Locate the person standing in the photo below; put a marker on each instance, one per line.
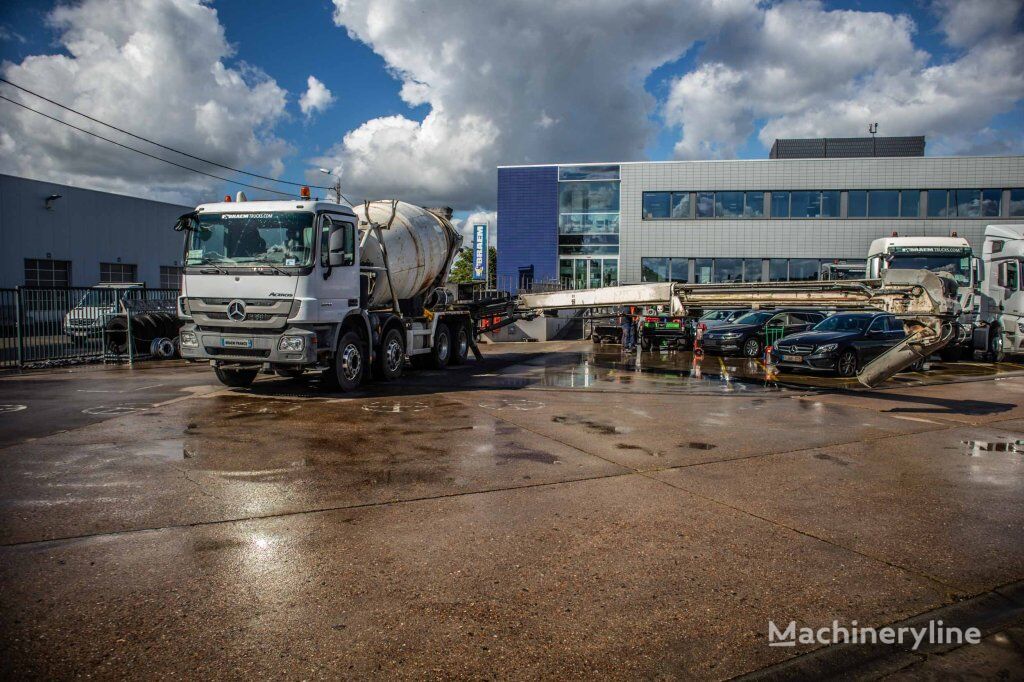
(628, 325)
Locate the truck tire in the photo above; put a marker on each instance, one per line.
(348, 365)
(390, 361)
(236, 378)
(460, 343)
(441, 353)
(995, 345)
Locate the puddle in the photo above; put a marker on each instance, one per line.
(975, 448)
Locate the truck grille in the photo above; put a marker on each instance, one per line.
(239, 352)
(254, 317)
(248, 301)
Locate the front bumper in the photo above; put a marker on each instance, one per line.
(825, 362)
(249, 347)
(723, 346)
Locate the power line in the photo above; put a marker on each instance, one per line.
(139, 151)
(157, 144)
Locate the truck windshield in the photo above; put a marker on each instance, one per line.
(249, 239)
(958, 265)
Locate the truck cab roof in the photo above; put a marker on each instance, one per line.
(880, 246)
(312, 205)
(1005, 231)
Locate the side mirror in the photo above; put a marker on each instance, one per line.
(184, 222)
(341, 251)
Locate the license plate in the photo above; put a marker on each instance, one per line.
(236, 343)
(792, 358)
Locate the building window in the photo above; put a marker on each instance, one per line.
(883, 203)
(118, 273)
(665, 270)
(588, 173)
(753, 271)
(910, 200)
(991, 201)
(44, 272)
(804, 204)
(588, 197)
(588, 223)
(829, 204)
(754, 207)
(857, 204)
(705, 204)
(657, 205)
(702, 270)
(728, 204)
(1016, 203)
(778, 270)
(937, 203)
(965, 203)
(780, 204)
(170, 277)
(681, 205)
(803, 269)
(728, 270)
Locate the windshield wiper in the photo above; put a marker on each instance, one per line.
(272, 267)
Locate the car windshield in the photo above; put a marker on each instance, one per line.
(101, 297)
(958, 265)
(843, 323)
(716, 315)
(756, 317)
(282, 239)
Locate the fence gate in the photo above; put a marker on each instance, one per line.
(39, 325)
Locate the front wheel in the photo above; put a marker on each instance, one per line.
(846, 365)
(391, 359)
(346, 370)
(752, 347)
(996, 353)
(460, 344)
(236, 378)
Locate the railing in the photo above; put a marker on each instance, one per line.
(43, 325)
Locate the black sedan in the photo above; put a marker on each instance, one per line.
(751, 332)
(842, 343)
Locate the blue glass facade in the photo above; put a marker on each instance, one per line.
(528, 215)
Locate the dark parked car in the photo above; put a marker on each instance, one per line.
(666, 330)
(749, 333)
(716, 318)
(841, 343)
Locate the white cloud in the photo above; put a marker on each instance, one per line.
(465, 227)
(316, 98)
(525, 82)
(156, 68)
(808, 72)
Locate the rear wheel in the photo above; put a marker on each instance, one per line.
(846, 365)
(391, 358)
(348, 365)
(460, 344)
(440, 354)
(752, 347)
(236, 378)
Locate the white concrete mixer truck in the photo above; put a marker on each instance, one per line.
(309, 285)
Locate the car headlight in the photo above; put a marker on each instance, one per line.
(731, 335)
(291, 343)
(827, 348)
(188, 340)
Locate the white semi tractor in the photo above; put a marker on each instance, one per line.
(301, 285)
(950, 255)
(1000, 324)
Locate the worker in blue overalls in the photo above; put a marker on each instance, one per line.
(628, 324)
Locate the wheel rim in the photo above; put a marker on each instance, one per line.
(463, 342)
(393, 355)
(847, 364)
(750, 347)
(351, 362)
(443, 347)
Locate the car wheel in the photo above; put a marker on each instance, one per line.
(460, 344)
(236, 378)
(846, 365)
(995, 345)
(391, 358)
(752, 347)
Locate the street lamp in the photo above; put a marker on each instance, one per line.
(337, 184)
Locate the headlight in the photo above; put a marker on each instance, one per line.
(291, 343)
(731, 335)
(827, 348)
(188, 340)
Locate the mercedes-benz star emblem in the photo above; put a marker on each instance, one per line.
(236, 310)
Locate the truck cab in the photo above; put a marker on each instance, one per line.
(951, 255)
(1001, 319)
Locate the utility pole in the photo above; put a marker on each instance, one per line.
(337, 184)
(873, 129)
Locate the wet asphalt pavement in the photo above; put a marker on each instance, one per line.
(551, 511)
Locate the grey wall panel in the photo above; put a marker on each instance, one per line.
(86, 228)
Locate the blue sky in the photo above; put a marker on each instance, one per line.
(603, 82)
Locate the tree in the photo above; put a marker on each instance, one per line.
(462, 268)
(492, 267)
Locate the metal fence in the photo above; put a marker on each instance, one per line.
(39, 325)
